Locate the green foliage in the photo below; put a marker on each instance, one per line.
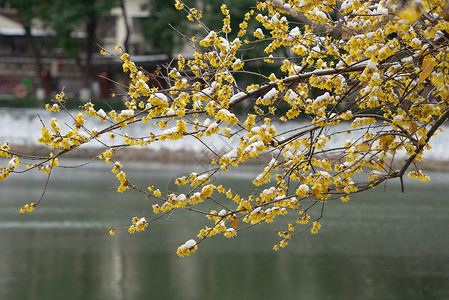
(156, 27)
(159, 28)
(29, 9)
(67, 17)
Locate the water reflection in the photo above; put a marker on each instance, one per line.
(388, 246)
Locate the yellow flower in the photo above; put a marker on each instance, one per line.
(316, 227)
(179, 5)
(132, 229)
(230, 232)
(124, 56)
(187, 248)
(207, 191)
(419, 175)
(124, 183)
(345, 198)
(28, 207)
(54, 162)
(79, 120)
(291, 227)
(156, 208)
(283, 243)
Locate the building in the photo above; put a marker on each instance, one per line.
(22, 77)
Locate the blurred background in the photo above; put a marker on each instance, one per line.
(53, 44)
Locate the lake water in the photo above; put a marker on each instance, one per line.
(381, 245)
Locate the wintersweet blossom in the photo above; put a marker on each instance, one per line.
(363, 85)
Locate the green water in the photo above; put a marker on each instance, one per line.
(381, 245)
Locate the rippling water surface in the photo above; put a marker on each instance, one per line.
(380, 245)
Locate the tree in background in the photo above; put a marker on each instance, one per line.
(29, 10)
(363, 86)
(75, 26)
(159, 27)
(156, 28)
(67, 18)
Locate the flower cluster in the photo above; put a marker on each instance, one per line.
(28, 207)
(138, 224)
(187, 248)
(13, 163)
(364, 86)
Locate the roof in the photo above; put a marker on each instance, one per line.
(10, 27)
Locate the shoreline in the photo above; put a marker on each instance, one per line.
(178, 156)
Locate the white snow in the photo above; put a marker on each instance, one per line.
(371, 65)
(346, 4)
(202, 177)
(83, 135)
(289, 155)
(271, 94)
(237, 61)
(237, 96)
(181, 197)
(256, 210)
(224, 42)
(144, 84)
(142, 220)
(367, 89)
(127, 113)
(226, 112)
(371, 48)
(319, 13)
(190, 244)
(381, 10)
(259, 177)
(169, 131)
(22, 127)
(294, 32)
(416, 41)
(407, 59)
(12, 162)
(316, 49)
(206, 122)
(170, 112)
(212, 126)
(231, 154)
(101, 113)
(322, 98)
(161, 97)
(304, 187)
